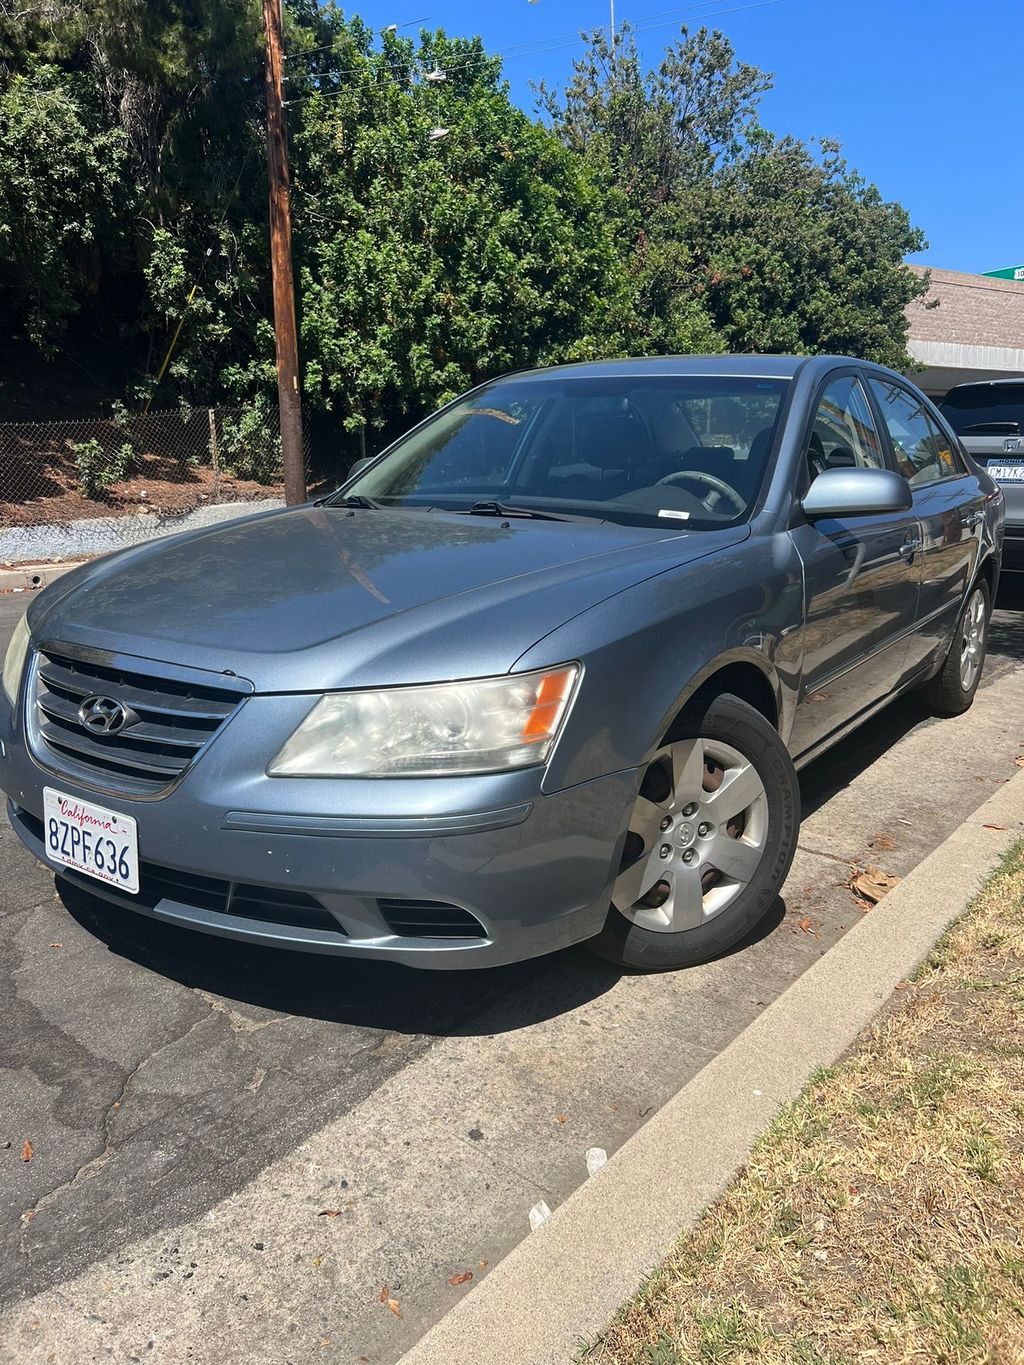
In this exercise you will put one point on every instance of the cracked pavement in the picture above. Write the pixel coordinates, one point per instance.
(195, 1105)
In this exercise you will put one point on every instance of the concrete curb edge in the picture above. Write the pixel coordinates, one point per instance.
(33, 576)
(564, 1282)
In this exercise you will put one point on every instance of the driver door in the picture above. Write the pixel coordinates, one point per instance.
(860, 577)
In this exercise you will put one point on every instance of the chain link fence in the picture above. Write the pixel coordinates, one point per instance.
(73, 488)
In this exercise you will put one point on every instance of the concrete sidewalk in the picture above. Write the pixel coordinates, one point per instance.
(565, 1281)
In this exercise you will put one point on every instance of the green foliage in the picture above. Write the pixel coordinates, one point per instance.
(427, 266)
(61, 201)
(648, 212)
(249, 444)
(99, 468)
(732, 237)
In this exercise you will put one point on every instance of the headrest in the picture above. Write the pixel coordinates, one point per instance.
(613, 441)
(841, 457)
(759, 445)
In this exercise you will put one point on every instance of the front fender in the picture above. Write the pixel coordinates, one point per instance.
(646, 650)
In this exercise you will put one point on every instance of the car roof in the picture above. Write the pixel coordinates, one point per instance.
(755, 366)
(1010, 381)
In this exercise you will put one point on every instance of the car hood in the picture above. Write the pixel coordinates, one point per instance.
(312, 598)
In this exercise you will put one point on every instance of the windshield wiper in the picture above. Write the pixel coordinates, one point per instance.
(352, 500)
(503, 509)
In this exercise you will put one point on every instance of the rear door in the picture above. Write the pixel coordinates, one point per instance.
(949, 503)
(860, 576)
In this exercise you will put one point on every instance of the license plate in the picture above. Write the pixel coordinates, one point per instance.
(1007, 471)
(100, 843)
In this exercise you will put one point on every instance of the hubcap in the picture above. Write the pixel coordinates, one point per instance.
(972, 640)
(704, 803)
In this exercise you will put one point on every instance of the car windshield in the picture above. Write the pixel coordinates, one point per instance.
(989, 410)
(684, 449)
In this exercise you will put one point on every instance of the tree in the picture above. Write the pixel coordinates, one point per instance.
(733, 238)
(62, 201)
(427, 265)
(802, 255)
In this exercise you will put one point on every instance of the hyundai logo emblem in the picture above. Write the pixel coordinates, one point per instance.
(104, 716)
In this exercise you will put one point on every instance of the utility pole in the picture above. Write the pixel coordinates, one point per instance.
(285, 329)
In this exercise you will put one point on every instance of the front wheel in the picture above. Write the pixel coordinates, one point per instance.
(709, 843)
(952, 690)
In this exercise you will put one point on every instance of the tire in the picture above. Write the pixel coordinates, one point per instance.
(951, 691)
(691, 809)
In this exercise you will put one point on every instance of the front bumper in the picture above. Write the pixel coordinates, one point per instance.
(533, 870)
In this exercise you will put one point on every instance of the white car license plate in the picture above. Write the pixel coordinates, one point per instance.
(101, 843)
(1007, 471)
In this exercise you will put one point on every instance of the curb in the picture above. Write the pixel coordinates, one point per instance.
(32, 576)
(566, 1281)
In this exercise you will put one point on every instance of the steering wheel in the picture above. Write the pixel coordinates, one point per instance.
(716, 485)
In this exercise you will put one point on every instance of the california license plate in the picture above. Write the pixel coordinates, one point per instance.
(1007, 471)
(100, 843)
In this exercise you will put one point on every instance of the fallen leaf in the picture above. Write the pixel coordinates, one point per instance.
(317, 1261)
(871, 884)
(805, 925)
(561, 1118)
(995, 826)
(28, 1215)
(26, 1150)
(482, 1265)
(460, 1279)
(862, 904)
(882, 842)
(393, 1305)
(384, 1294)
(329, 1213)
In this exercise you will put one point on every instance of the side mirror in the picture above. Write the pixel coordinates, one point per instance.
(359, 466)
(857, 493)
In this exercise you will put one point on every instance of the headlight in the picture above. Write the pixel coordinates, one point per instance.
(465, 727)
(14, 663)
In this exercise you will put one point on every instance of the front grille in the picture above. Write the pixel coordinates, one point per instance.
(429, 919)
(173, 719)
(271, 904)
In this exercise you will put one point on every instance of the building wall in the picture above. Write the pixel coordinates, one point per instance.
(966, 327)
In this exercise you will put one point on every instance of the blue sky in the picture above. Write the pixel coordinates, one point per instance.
(925, 95)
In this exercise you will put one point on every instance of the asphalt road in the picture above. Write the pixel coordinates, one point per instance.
(235, 1150)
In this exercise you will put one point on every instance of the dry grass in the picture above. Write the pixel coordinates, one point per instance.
(881, 1218)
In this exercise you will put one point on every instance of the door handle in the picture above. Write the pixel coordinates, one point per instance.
(910, 547)
(971, 519)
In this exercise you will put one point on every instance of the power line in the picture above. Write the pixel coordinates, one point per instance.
(518, 49)
(388, 28)
(535, 50)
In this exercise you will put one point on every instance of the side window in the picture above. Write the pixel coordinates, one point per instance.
(923, 451)
(843, 435)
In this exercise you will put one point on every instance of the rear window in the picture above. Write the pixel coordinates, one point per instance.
(987, 411)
